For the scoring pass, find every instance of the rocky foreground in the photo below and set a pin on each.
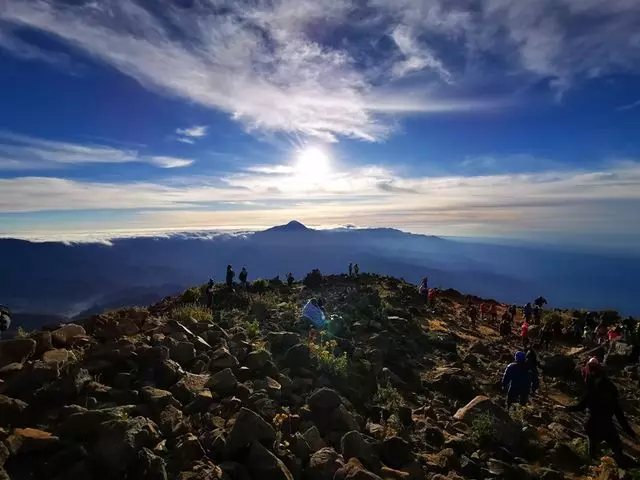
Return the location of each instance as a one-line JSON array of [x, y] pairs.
[[397, 392]]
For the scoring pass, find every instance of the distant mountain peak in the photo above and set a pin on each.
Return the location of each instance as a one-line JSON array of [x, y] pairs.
[[292, 226]]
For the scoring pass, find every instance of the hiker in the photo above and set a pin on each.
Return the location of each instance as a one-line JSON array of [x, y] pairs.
[[290, 279], [230, 276], [505, 325], [472, 311], [601, 333], [243, 278], [540, 302], [356, 270], [537, 315], [578, 327], [517, 380], [483, 311], [587, 334], [629, 329], [524, 333], [513, 310], [528, 311], [601, 398], [5, 319], [423, 289], [209, 294], [350, 269], [314, 312], [493, 312], [546, 335], [532, 362]]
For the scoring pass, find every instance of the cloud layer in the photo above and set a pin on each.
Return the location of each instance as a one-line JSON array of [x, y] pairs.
[[21, 152], [331, 68]]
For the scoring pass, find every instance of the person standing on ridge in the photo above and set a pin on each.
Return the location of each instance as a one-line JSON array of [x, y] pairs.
[[350, 269], [528, 312], [290, 279], [473, 313], [483, 311], [532, 362], [537, 315], [517, 380], [505, 325], [513, 310], [209, 294], [230, 276], [243, 278], [540, 302], [423, 289], [493, 313], [356, 270], [546, 335], [601, 399]]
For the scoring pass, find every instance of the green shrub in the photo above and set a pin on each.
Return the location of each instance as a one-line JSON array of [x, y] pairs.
[[22, 333], [252, 329], [192, 295], [185, 312], [327, 361], [483, 429], [313, 279], [389, 397], [259, 286]]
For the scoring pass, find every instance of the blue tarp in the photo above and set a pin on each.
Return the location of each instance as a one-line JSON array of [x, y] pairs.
[[314, 314]]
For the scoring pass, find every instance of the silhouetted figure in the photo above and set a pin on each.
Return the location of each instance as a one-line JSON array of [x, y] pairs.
[[493, 312], [532, 362], [473, 313], [528, 312], [5, 319], [423, 289], [351, 269], [356, 270], [524, 334], [601, 399], [540, 302], [546, 335], [505, 324], [230, 276], [209, 294], [290, 279], [243, 278], [537, 315], [517, 380], [513, 311]]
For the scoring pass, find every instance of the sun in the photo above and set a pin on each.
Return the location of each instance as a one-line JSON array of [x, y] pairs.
[[312, 164]]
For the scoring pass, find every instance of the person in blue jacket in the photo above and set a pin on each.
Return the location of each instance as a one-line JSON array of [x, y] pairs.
[[517, 380]]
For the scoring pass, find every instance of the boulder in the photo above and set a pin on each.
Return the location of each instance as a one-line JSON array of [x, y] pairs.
[[30, 440], [58, 356], [16, 350], [354, 470], [263, 464], [256, 361], [87, 423], [223, 382], [171, 422], [158, 399], [396, 452], [282, 341], [120, 440], [355, 444], [63, 336], [183, 353], [342, 420], [434, 436], [187, 450], [559, 366], [324, 464], [249, 427], [150, 466], [221, 359], [12, 411], [189, 386], [454, 385], [298, 356], [314, 439], [167, 373], [43, 341], [507, 431], [324, 400]]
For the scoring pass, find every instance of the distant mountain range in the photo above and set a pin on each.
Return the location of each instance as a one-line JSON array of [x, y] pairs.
[[79, 279]]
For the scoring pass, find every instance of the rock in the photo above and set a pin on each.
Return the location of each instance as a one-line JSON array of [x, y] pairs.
[[223, 382], [10, 369], [202, 470], [12, 411], [282, 341], [150, 466], [507, 431], [454, 386], [434, 436], [324, 464], [88, 422], [16, 350], [548, 474], [183, 353], [396, 452], [354, 444], [468, 467], [298, 356], [342, 420], [43, 342], [168, 373], [58, 356], [324, 400], [479, 348], [189, 386], [263, 464], [564, 457], [63, 336], [201, 404], [29, 440], [559, 366], [273, 387], [249, 427], [120, 440], [221, 359], [158, 399], [257, 360], [171, 422], [314, 439], [354, 470], [187, 450], [234, 471]]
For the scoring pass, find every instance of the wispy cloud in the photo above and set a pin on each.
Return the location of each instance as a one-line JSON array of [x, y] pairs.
[[188, 135], [629, 106], [21, 152]]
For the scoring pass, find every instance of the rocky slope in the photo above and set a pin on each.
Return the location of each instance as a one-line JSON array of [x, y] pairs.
[[397, 391]]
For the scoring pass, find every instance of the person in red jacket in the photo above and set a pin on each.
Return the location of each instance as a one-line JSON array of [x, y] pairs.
[[483, 310], [524, 334]]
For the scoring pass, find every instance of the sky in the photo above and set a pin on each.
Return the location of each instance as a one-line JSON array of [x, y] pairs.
[[487, 118]]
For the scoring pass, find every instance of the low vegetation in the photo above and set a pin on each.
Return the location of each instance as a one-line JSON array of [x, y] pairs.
[[323, 355], [184, 313], [483, 430], [313, 279]]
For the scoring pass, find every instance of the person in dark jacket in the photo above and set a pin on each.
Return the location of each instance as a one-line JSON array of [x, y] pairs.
[[601, 399], [546, 335], [528, 312], [230, 276], [517, 380], [209, 293], [532, 362], [540, 302], [243, 278], [290, 279], [537, 314]]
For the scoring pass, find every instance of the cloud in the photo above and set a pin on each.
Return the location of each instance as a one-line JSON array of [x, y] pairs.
[[286, 66], [187, 135], [629, 106], [21, 152]]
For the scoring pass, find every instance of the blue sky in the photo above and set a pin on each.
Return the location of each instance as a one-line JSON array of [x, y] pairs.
[[474, 117]]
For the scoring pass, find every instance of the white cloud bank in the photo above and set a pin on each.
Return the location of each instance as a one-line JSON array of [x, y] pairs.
[[188, 135], [21, 152], [331, 68]]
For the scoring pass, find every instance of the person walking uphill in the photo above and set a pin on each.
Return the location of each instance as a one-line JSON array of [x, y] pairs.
[[517, 380], [243, 278], [524, 333], [601, 399], [230, 276]]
